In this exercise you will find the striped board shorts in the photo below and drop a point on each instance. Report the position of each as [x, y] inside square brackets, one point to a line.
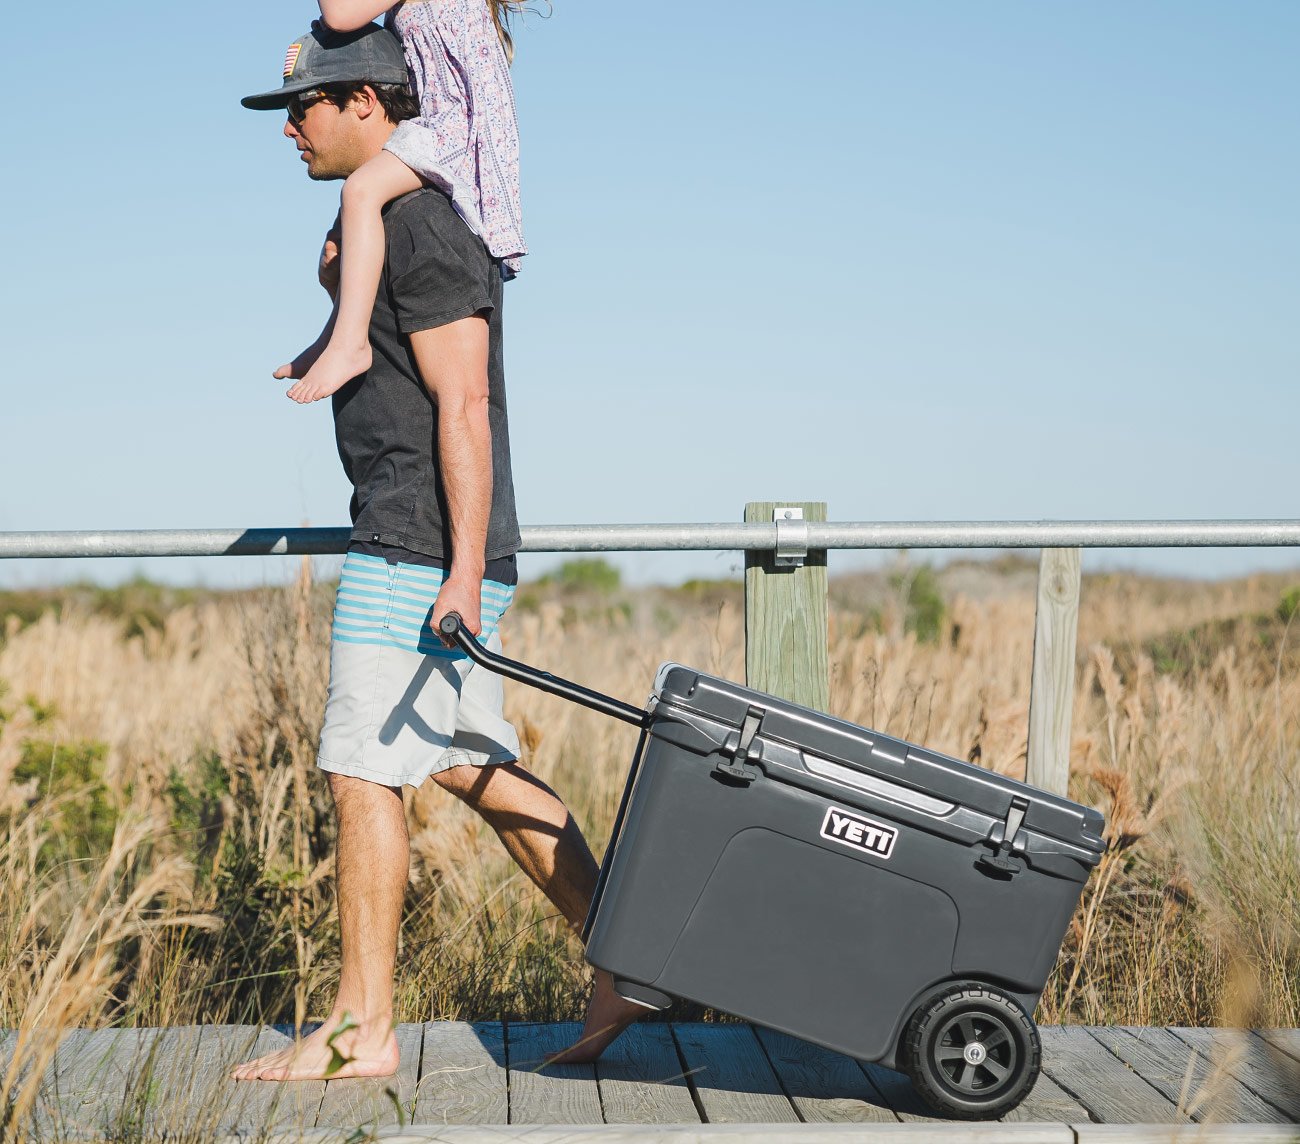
[401, 706]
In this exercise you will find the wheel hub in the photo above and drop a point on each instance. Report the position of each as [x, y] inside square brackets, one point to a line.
[971, 1051]
[975, 1054]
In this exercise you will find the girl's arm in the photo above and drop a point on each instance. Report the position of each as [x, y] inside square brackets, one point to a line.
[349, 15]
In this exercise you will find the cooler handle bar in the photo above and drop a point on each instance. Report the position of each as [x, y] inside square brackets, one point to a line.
[453, 628]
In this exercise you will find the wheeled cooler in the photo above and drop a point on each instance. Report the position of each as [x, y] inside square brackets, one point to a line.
[831, 882]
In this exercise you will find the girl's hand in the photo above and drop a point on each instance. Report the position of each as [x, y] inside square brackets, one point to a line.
[327, 271]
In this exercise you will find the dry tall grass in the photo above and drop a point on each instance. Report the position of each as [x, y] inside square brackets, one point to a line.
[166, 855]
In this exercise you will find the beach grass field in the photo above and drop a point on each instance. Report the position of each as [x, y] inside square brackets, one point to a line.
[166, 843]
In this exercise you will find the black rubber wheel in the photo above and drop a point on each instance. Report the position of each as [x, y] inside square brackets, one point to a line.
[971, 1052]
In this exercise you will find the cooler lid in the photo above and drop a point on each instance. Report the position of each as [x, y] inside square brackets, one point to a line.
[928, 773]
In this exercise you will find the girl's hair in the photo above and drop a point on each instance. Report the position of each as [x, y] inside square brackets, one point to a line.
[502, 11]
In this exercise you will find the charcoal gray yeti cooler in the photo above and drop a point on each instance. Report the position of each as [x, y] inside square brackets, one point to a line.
[834, 883]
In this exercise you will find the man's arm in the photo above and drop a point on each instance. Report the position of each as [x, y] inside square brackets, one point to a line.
[453, 364]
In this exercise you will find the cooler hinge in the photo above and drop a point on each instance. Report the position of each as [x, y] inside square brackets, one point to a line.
[739, 748]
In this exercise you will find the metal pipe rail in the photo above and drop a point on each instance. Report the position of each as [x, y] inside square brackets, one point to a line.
[685, 537]
[785, 598]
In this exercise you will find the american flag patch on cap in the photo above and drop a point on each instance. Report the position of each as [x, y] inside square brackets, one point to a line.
[291, 59]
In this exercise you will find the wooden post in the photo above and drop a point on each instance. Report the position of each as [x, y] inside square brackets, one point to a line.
[1051, 689]
[785, 616]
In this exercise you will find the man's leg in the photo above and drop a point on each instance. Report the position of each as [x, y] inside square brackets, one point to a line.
[540, 835]
[373, 862]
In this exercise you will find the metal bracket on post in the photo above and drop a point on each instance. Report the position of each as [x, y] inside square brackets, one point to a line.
[785, 604]
[791, 537]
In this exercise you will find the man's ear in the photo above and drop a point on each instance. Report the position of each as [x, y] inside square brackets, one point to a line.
[365, 102]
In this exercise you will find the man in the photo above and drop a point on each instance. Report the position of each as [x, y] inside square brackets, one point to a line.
[424, 441]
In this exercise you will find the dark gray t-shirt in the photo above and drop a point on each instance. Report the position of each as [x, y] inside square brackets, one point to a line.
[436, 271]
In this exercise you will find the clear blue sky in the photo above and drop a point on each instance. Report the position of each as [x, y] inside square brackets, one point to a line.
[916, 259]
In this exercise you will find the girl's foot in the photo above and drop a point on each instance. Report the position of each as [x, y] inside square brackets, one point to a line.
[302, 363]
[330, 372]
[365, 1052]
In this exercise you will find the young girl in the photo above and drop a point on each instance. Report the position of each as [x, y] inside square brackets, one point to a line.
[465, 143]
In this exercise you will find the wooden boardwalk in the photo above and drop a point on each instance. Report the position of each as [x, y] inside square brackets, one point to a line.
[125, 1084]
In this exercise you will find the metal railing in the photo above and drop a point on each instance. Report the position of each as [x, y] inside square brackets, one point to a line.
[785, 592]
[687, 537]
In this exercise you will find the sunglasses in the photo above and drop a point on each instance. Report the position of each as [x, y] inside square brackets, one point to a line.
[300, 101]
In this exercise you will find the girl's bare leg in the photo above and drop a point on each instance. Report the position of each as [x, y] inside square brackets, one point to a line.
[297, 369]
[346, 349]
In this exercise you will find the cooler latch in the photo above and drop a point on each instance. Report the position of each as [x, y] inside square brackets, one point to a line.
[737, 747]
[1003, 840]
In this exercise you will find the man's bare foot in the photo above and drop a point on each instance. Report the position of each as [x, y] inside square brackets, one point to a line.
[364, 1051]
[607, 1016]
[334, 368]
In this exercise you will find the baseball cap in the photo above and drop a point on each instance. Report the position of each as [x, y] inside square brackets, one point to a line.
[369, 55]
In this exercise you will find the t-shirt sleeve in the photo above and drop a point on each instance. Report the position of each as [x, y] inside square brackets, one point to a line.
[437, 268]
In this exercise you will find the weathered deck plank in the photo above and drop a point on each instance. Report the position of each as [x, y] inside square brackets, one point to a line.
[1288, 1040]
[122, 1083]
[58, 1103]
[731, 1076]
[249, 1104]
[160, 1077]
[642, 1079]
[1186, 1077]
[8, 1042]
[1047, 1103]
[824, 1087]
[1184, 1134]
[986, 1133]
[366, 1101]
[1108, 1088]
[42, 1114]
[897, 1092]
[1261, 1068]
[463, 1074]
[549, 1094]
[115, 1081]
[206, 1099]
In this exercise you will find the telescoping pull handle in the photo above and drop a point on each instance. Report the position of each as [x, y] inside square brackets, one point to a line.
[454, 628]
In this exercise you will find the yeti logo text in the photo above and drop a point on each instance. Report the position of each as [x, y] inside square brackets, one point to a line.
[852, 829]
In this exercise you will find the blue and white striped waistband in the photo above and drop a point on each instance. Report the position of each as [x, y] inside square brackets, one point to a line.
[391, 605]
